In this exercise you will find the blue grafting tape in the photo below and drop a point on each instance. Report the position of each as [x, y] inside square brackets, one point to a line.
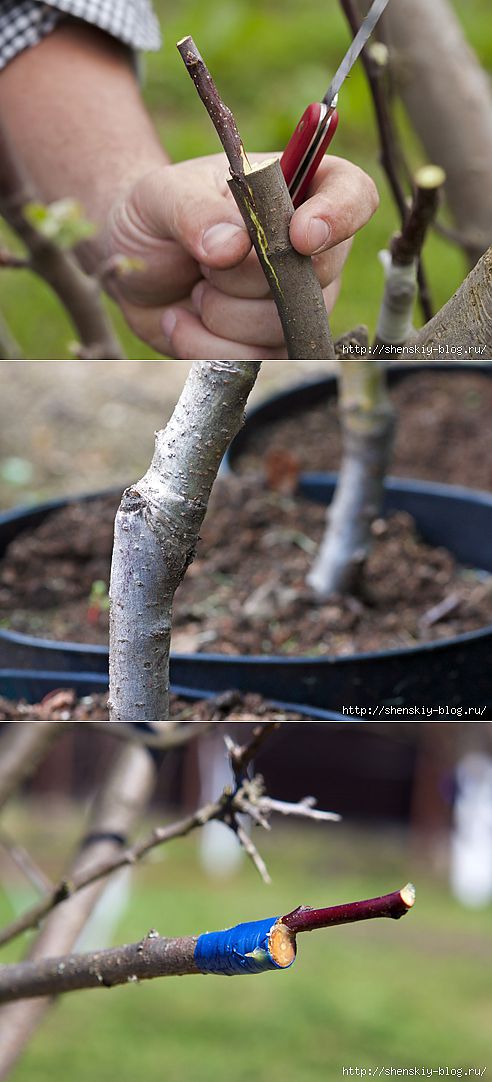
[243, 949]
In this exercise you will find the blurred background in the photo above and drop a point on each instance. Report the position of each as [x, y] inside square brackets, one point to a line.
[270, 59]
[76, 426]
[416, 801]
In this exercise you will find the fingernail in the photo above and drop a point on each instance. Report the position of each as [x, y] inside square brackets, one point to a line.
[168, 323]
[219, 236]
[197, 294]
[318, 235]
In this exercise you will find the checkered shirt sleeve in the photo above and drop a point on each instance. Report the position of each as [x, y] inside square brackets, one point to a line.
[25, 22]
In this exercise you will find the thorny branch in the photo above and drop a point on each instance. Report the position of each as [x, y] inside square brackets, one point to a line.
[246, 796]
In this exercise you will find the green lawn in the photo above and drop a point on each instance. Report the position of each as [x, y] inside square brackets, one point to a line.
[402, 994]
[270, 58]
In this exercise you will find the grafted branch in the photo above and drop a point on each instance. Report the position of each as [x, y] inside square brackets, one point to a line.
[155, 956]
[401, 263]
[265, 204]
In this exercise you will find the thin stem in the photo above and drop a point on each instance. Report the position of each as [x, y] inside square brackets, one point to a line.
[407, 246]
[225, 809]
[393, 905]
[375, 64]
[221, 117]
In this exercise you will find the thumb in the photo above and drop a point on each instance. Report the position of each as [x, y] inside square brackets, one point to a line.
[188, 203]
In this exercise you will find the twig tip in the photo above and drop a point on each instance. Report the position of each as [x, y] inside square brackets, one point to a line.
[408, 895]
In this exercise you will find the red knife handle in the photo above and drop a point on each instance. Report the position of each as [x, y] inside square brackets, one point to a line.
[306, 148]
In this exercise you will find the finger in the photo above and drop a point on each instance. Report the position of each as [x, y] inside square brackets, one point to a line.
[342, 200]
[190, 203]
[186, 338]
[252, 322]
[245, 280]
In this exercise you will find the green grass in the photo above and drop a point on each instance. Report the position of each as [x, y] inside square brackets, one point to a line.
[270, 58]
[385, 993]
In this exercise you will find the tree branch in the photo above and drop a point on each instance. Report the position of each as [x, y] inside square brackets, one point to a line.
[22, 748]
[395, 322]
[119, 805]
[265, 204]
[375, 60]
[78, 293]
[455, 125]
[155, 956]
[393, 905]
[225, 809]
[463, 328]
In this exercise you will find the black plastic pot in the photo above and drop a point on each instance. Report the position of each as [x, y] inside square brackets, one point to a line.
[302, 396]
[449, 674]
[33, 686]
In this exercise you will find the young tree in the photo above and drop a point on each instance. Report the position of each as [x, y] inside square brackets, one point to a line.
[159, 520]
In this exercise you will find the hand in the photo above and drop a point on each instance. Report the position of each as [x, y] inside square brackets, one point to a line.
[201, 293]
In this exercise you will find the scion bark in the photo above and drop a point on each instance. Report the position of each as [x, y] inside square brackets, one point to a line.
[265, 204]
[367, 422]
[156, 532]
[395, 323]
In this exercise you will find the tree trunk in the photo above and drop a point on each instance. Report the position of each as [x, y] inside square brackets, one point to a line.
[367, 429]
[448, 97]
[122, 800]
[156, 532]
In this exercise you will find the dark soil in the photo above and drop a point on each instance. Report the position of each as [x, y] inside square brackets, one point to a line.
[444, 433]
[245, 591]
[63, 705]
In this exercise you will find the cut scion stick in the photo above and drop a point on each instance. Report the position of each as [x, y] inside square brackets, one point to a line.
[407, 246]
[264, 201]
[393, 905]
[221, 117]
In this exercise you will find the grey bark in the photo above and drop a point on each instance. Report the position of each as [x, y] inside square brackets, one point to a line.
[449, 99]
[156, 532]
[153, 957]
[463, 328]
[120, 804]
[367, 430]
